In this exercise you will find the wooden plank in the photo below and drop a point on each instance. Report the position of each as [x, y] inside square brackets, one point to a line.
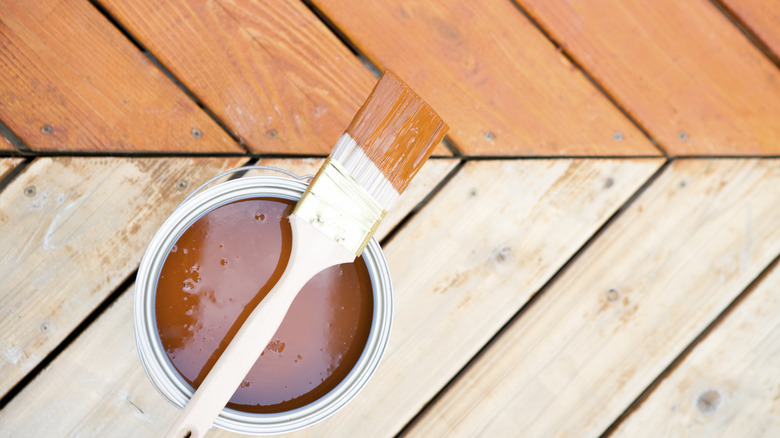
[681, 69]
[7, 165]
[69, 80]
[501, 85]
[632, 301]
[73, 229]
[5, 143]
[309, 55]
[454, 286]
[101, 389]
[97, 380]
[271, 71]
[729, 385]
[762, 20]
[468, 261]
[432, 174]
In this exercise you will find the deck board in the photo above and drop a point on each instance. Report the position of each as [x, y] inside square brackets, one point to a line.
[468, 261]
[762, 19]
[543, 278]
[7, 165]
[501, 85]
[682, 69]
[729, 385]
[5, 144]
[619, 315]
[69, 80]
[440, 317]
[96, 387]
[120, 401]
[73, 230]
[271, 71]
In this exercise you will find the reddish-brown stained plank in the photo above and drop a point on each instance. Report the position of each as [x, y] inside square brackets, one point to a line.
[7, 165]
[500, 84]
[69, 80]
[681, 69]
[761, 18]
[271, 71]
[5, 144]
[311, 57]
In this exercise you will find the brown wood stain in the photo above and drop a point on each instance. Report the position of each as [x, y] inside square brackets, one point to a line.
[396, 130]
[209, 284]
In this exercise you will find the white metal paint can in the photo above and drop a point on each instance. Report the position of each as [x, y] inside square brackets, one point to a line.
[156, 363]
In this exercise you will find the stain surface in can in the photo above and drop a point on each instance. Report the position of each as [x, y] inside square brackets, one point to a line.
[209, 284]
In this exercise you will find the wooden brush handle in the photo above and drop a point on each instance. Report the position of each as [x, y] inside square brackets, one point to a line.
[312, 251]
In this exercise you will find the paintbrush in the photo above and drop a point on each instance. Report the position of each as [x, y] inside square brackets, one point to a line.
[384, 147]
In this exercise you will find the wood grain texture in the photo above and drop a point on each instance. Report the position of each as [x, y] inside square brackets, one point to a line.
[681, 69]
[308, 53]
[729, 386]
[468, 261]
[73, 230]
[5, 143]
[632, 301]
[502, 87]
[7, 165]
[761, 18]
[432, 174]
[69, 80]
[270, 71]
[97, 386]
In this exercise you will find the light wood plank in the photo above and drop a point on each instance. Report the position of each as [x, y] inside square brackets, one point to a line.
[92, 384]
[682, 69]
[501, 85]
[454, 286]
[431, 174]
[101, 389]
[69, 80]
[624, 309]
[729, 386]
[5, 143]
[73, 229]
[7, 165]
[468, 261]
[762, 19]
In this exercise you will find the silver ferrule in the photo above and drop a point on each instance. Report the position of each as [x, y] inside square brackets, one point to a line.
[336, 204]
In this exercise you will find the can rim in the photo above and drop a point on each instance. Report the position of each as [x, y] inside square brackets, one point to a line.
[158, 367]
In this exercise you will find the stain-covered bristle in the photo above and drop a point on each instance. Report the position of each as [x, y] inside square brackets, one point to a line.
[396, 130]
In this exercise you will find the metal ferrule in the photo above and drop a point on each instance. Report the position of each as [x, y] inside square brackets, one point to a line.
[336, 204]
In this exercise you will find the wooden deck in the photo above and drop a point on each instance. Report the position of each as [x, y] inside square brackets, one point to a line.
[592, 252]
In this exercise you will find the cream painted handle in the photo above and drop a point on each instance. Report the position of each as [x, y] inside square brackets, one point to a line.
[312, 251]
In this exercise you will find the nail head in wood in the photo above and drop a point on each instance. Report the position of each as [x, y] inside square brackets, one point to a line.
[708, 401]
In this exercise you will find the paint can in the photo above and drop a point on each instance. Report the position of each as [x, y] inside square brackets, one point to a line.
[158, 367]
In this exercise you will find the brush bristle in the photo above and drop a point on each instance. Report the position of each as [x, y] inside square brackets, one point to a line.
[396, 132]
[349, 154]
